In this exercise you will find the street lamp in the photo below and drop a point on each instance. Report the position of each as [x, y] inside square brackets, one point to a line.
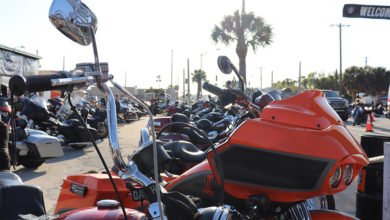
[340, 26]
[158, 80]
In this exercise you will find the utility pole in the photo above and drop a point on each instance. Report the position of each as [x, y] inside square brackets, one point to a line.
[261, 78]
[125, 79]
[272, 79]
[188, 76]
[172, 90]
[299, 77]
[184, 84]
[365, 61]
[63, 63]
[340, 26]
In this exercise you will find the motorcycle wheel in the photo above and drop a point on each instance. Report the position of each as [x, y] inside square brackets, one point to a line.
[32, 163]
[321, 202]
[78, 146]
[102, 132]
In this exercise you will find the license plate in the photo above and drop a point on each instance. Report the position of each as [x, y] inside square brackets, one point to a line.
[137, 194]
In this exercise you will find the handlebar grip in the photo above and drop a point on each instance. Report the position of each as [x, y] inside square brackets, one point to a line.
[37, 83]
[213, 89]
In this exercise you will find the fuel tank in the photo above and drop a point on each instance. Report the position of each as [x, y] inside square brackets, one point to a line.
[198, 181]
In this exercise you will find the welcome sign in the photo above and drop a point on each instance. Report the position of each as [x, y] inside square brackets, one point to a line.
[366, 11]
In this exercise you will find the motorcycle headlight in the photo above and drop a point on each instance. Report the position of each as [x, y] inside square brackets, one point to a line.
[336, 177]
[348, 174]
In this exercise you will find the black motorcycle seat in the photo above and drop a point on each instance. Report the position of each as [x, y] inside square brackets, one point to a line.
[21, 199]
[8, 178]
[185, 151]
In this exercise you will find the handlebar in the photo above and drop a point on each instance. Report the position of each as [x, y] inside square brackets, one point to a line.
[225, 97]
[37, 83]
[61, 81]
[213, 89]
[57, 81]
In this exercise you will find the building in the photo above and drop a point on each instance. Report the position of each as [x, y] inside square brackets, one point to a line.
[16, 62]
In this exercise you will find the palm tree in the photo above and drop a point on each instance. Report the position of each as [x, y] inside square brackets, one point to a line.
[246, 29]
[198, 76]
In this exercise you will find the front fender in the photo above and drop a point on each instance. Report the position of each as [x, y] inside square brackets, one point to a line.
[330, 214]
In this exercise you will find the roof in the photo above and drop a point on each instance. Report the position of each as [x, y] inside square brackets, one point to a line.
[15, 50]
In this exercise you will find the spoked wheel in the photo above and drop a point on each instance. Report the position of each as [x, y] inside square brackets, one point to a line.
[321, 202]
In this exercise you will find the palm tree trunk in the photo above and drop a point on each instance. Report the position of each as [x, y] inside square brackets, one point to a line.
[241, 53]
[199, 88]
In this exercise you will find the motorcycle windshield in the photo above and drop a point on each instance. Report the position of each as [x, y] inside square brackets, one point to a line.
[65, 108]
[39, 101]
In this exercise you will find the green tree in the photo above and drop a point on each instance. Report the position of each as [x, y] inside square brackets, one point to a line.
[316, 80]
[246, 29]
[199, 76]
[367, 79]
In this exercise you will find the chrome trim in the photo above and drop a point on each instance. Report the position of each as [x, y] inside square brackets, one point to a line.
[112, 127]
[299, 211]
[155, 162]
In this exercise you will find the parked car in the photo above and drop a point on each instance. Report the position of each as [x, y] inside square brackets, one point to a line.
[338, 103]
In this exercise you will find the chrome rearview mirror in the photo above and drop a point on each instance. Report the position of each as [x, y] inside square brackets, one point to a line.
[224, 64]
[74, 19]
[226, 67]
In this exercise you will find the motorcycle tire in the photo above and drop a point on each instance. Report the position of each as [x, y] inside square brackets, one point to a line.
[32, 163]
[78, 146]
[322, 202]
[102, 132]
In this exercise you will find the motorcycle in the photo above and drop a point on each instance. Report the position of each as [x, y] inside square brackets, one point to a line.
[252, 179]
[69, 132]
[94, 116]
[5, 110]
[307, 170]
[175, 204]
[33, 147]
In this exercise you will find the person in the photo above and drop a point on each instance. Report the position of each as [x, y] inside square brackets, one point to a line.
[358, 113]
[5, 161]
[117, 104]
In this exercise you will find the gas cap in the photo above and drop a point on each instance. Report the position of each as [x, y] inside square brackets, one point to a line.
[107, 204]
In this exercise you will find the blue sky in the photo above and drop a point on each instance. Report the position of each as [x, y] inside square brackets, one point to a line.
[137, 37]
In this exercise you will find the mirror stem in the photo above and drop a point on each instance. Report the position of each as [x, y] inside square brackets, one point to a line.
[242, 84]
[96, 55]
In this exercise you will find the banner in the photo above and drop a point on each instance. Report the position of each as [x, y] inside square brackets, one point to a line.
[366, 11]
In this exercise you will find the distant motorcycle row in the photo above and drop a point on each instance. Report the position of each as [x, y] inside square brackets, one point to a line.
[43, 127]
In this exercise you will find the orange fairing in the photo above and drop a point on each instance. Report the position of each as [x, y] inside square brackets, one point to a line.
[286, 155]
[307, 110]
